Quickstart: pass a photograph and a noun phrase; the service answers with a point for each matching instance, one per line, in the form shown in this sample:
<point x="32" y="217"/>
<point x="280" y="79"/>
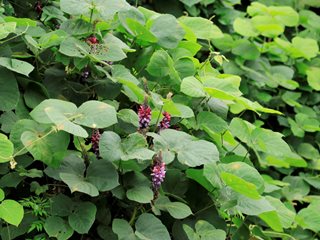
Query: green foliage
<point x="80" y="159"/>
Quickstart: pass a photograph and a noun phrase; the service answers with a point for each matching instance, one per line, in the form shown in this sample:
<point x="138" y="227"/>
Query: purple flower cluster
<point x="144" y="114"/>
<point x="158" y="174"/>
<point x="165" y="122"/>
<point x="95" y="138"/>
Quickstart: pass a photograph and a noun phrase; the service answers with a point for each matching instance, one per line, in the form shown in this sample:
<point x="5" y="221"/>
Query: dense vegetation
<point x="190" y="119"/>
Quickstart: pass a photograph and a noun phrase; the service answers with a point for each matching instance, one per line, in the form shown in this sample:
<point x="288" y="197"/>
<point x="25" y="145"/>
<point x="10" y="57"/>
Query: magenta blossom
<point x="144" y="114"/>
<point x="165" y="122"/>
<point x="95" y="138"/>
<point x="158" y="174"/>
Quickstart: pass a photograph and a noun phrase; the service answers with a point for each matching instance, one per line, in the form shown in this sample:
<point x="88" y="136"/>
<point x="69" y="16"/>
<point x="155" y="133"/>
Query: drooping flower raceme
<point x="95" y="138"/>
<point x="165" y="122"/>
<point x="158" y="173"/>
<point x="144" y="114"/>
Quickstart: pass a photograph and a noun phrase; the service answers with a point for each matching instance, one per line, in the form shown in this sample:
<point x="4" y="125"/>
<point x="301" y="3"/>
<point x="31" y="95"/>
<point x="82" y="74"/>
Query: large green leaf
<point x="192" y="87"/>
<point x="123" y="229"/>
<point x="63" y="123"/>
<point x="308" y="151"/>
<point x="177" y="210"/>
<point x="50" y="39"/>
<point x="6" y="28"/>
<point x="16" y="65"/>
<point x="73" y="47"/>
<point x="21" y="21"/>
<point x="272" y="219"/>
<point x="103" y="175"/>
<point x="253" y="207"/>
<point x="267" y="26"/>
<point x="106" y="9"/>
<point x="176" y="139"/>
<point x="245" y="27"/>
<point x="241" y="129"/>
<point x="9" y="91"/>
<point x="49" y="149"/>
<point x="246" y="49"/>
<point x="57" y="227"/>
<point x="170" y="139"/>
<point x="308" y="218"/>
<point x="190" y="152"/>
<point x="307" y="123"/>
<point x="75" y="7"/>
<point x="297" y="188"/>
<point x="66" y="108"/>
<point x="71" y="171"/>
<point x="241" y="186"/>
<point x="6" y="147"/>
<point x="114" y="49"/>
<point x="40" y="150"/>
<point x="304" y="47"/>
<point x="82" y="217"/>
<point x="223" y="86"/>
<point x="134" y="22"/>
<point x="129" y="116"/>
<point x="37" y="139"/>
<point x="207" y="231"/>
<point x="161" y="64"/>
<point x="135" y="147"/>
<point x="96" y="114"/>
<point x="77" y="183"/>
<point x="201" y="27"/>
<point x="264" y="140"/>
<point x="313" y="74"/>
<point x="141" y="194"/>
<point x="268" y="141"/>
<point x="286" y="215"/>
<point x="191" y="234"/>
<point x="285" y="15"/>
<point x="246" y="172"/>
<point x="110" y="146"/>
<point x="150" y="227"/>
<point x="199" y="152"/>
<point x="168" y="31"/>
<point x="61" y="113"/>
<point x="61" y="205"/>
<point x="11" y="212"/>
<point x="211" y="123"/>
<point x="134" y="92"/>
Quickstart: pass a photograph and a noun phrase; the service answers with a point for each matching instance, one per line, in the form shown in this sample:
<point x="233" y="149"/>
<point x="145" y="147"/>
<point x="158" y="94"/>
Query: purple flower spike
<point x="165" y="122"/>
<point x="158" y="174"/>
<point x="95" y="138"/>
<point x="144" y="114"/>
